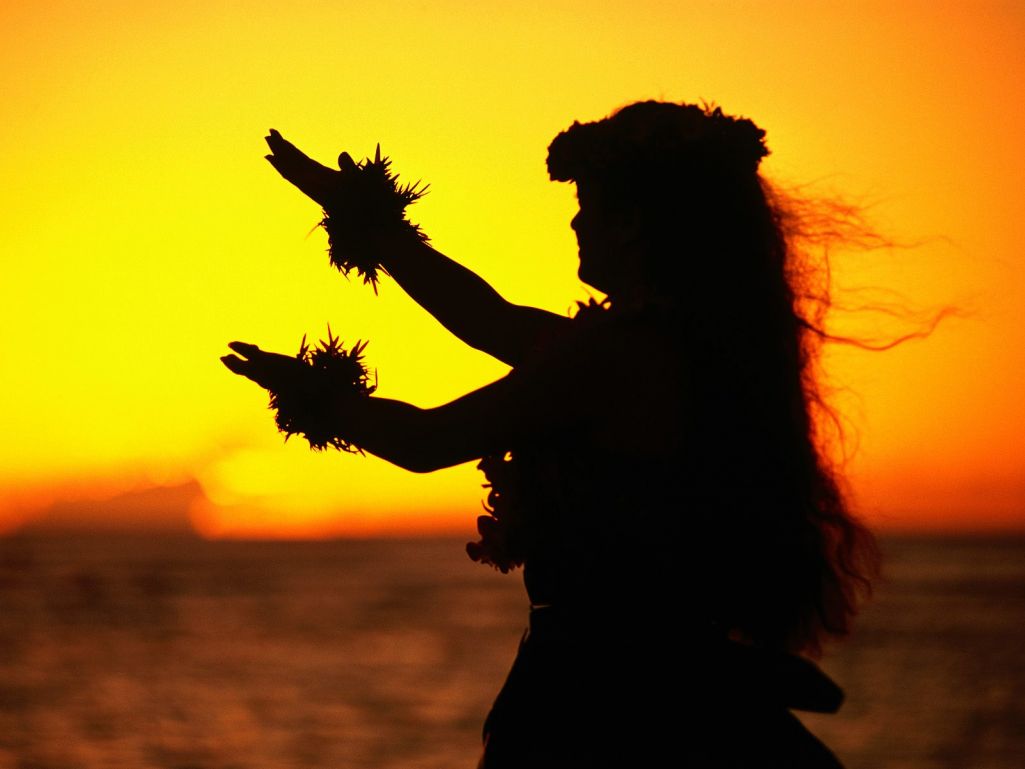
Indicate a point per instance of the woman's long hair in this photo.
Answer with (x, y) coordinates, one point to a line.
(782, 560)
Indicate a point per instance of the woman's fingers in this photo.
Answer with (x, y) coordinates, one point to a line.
(287, 153)
(234, 365)
(346, 163)
(270, 370)
(244, 348)
(279, 144)
(250, 370)
(312, 178)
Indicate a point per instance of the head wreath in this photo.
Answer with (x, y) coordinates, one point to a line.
(652, 138)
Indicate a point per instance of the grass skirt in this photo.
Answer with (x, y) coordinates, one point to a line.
(584, 696)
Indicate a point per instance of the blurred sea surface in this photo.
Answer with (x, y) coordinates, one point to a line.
(189, 654)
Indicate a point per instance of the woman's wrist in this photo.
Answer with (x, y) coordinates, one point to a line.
(316, 403)
(395, 248)
(365, 217)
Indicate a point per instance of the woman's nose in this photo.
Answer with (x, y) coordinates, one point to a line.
(575, 222)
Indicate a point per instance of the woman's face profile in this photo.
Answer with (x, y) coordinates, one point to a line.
(587, 247)
(603, 239)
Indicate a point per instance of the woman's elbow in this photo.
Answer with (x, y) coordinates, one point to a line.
(419, 465)
(417, 461)
(427, 459)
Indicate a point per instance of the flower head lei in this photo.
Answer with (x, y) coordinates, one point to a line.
(368, 203)
(501, 530)
(331, 372)
(651, 140)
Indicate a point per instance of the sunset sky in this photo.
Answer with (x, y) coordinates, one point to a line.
(141, 230)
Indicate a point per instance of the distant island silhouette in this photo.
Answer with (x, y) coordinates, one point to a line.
(157, 510)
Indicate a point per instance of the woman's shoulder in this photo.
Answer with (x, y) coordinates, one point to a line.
(623, 374)
(599, 328)
(603, 343)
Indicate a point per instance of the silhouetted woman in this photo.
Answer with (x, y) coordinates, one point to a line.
(654, 462)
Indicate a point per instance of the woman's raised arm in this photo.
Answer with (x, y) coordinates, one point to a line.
(458, 298)
(467, 305)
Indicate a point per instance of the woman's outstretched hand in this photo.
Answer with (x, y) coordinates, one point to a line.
(271, 370)
(316, 181)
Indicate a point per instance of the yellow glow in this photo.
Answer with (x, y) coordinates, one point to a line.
(142, 230)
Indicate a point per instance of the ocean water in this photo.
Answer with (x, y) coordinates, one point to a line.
(125, 652)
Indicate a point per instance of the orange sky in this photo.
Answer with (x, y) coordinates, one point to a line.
(141, 229)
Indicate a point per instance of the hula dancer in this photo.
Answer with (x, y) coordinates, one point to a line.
(653, 462)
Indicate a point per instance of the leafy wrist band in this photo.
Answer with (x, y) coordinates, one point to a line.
(331, 373)
(367, 207)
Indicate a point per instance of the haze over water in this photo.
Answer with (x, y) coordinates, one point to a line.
(132, 652)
